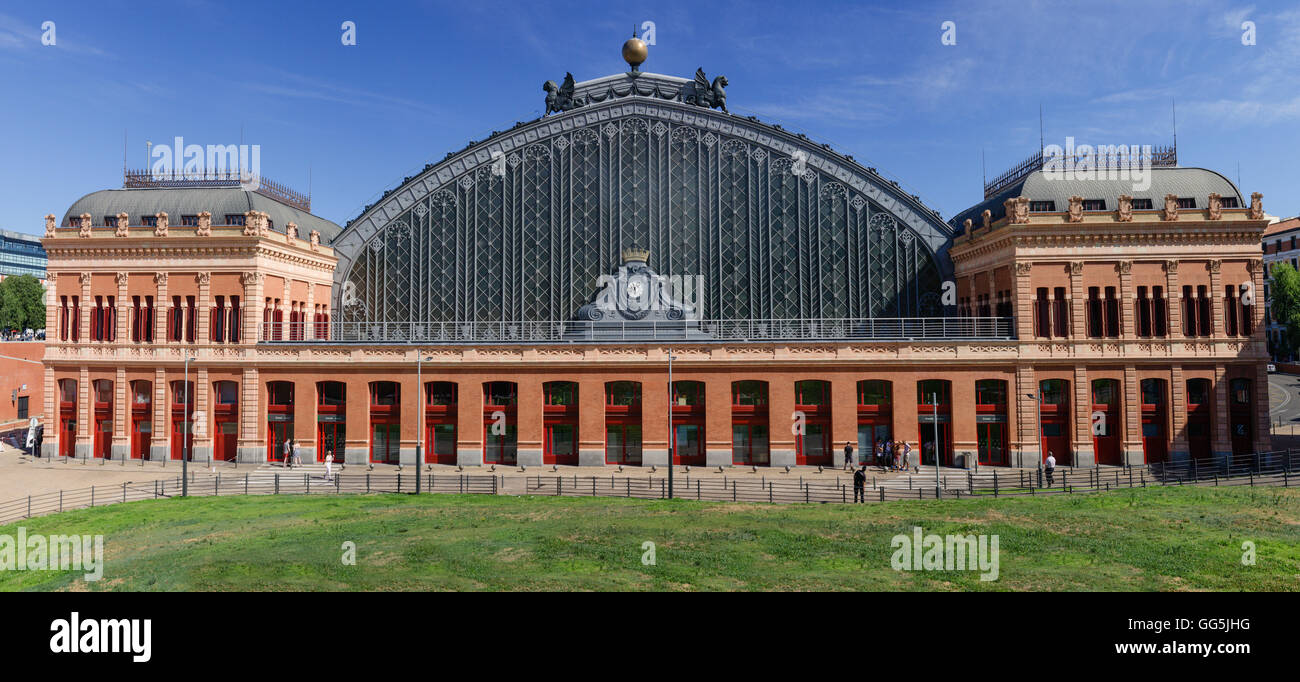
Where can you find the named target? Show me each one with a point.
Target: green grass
(1153, 539)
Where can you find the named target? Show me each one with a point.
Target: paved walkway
(22, 475)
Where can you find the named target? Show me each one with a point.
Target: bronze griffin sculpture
(706, 94)
(560, 97)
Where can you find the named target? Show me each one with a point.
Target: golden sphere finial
(635, 51)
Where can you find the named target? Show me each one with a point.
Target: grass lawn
(1153, 539)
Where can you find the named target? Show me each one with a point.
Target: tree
(1284, 298)
(22, 303)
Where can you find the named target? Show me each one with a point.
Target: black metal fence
(1263, 469)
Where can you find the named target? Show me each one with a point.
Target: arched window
(812, 442)
(1054, 424)
(991, 422)
(141, 418)
(560, 423)
(750, 442)
(385, 422)
(500, 426)
(875, 420)
(623, 422)
(934, 421)
(1105, 421)
(331, 420)
(1155, 416)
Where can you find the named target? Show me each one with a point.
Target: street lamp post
(419, 440)
(1038, 426)
(671, 357)
(934, 402)
(185, 432)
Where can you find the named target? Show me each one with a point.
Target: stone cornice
(130, 250)
(1216, 235)
(897, 355)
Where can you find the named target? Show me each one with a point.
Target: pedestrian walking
(906, 459)
(288, 452)
(1049, 467)
(848, 455)
(329, 465)
(297, 456)
(860, 484)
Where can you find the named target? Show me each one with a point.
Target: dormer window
(190, 220)
(1042, 206)
(1142, 205)
(110, 221)
(1094, 204)
(1186, 202)
(149, 221)
(1229, 202)
(234, 219)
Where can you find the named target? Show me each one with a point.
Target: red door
(1199, 437)
(103, 437)
(277, 433)
(560, 424)
(225, 439)
(688, 442)
(330, 439)
(1105, 436)
(1154, 445)
(440, 441)
(67, 434)
(182, 438)
(141, 430)
(813, 447)
(561, 444)
(1056, 433)
(1242, 444)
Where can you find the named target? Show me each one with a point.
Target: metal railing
(1273, 469)
(821, 329)
(1159, 157)
(212, 178)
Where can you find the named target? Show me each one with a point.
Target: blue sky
(871, 79)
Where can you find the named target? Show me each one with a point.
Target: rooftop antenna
(1173, 106)
(984, 171)
(1040, 130)
(124, 151)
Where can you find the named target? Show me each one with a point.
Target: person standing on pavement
(860, 484)
(848, 455)
(1049, 467)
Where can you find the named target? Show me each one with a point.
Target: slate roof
(1197, 183)
(178, 201)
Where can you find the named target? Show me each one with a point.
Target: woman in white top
(329, 465)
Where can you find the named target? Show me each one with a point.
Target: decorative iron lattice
(527, 237)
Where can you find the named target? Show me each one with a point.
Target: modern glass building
(21, 254)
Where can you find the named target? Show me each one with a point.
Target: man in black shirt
(859, 485)
(848, 455)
